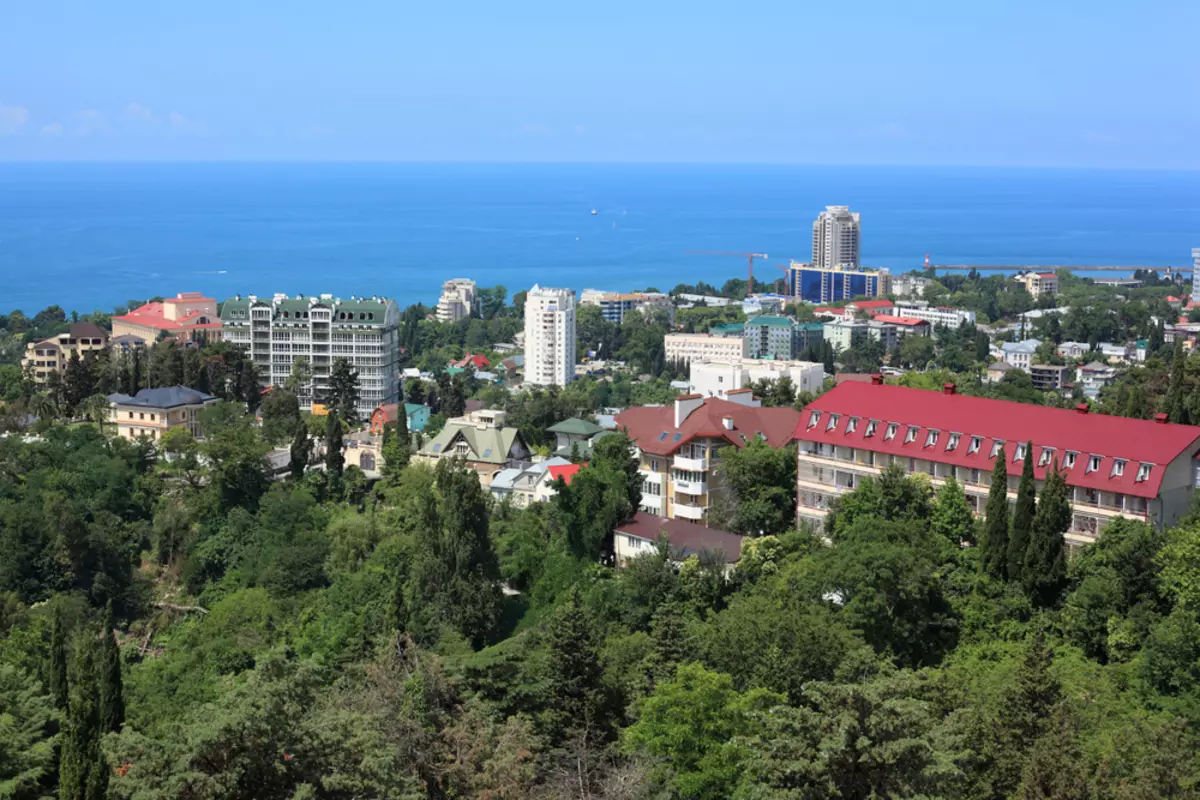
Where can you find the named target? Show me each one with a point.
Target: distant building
(615, 305)
(483, 442)
(910, 286)
(573, 432)
(362, 330)
(684, 348)
(808, 333)
(770, 337)
(952, 318)
(188, 316)
(457, 300)
(1195, 274)
(765, 304)
(531, 483)
(47, 357)
(1020, 354)
(416, 417)
(1039, 284)
(1093, 377)
(717, 379)
(1073, 350)
(869, 308)
(152, 412)
(814, 284)
(1049, 377)
(903, 326)
(837, 235)
(843, 333)
(641, 535)
(549, 336)
(997, 371)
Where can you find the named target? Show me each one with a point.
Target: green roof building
(277, 331)
(770, 337)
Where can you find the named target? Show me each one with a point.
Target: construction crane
(749, 263)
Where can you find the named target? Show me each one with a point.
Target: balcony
(653, 501)
(696, 488)
(690, 464)
(686, 511)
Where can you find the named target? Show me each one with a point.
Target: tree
(762, 480)
(396, 450)
(299, 452)
(1022, 519)
(1024, 713)
(952, 515)
(58, 663)
(414, 391)
(236, 453)
(995, 531)
(343, 391)
(83, 772)
(335, 457)
(1045, 570)
(112, 694)
(578, 697)
(1175, 403)
(27, 736)
(280, 412)
(96, 408)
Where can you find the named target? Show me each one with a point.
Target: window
(1093, 464)
(852, 425)
(1046, 457)
(662, 436)
(931, 438)
(870, 431)
(1118, 468)
(976, 443)
(677, 437)
(890, 433)
(975, 476)
(911, 436)
(833, 421)
(1019, 453)
(952, 443)
(1069, 459)
(996, 445)
(1143, 472)
(814, 419)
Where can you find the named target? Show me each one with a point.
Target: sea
(95, 236)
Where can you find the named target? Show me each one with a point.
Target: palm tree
(96, 408)
(43, 406)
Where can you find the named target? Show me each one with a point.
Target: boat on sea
(593, 212)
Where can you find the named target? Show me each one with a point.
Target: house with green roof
(482, 441)
(574, 432)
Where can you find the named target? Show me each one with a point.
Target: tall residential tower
(549, 336)
(837, 234)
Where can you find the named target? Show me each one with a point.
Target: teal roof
(727, 329)
(771, 321)
(576, 427)
(360, 310)
(811, 326)
(455, 370)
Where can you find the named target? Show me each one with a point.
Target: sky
(1007, 83)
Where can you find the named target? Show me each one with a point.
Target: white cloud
(140, 113)
(177, 119)
(53, 129)
(12, 118)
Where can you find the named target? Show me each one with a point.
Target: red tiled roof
(1134, 440)
(653, 427)
(151, 315)
(1047, 275)
(899, 320)
(476, 361)
(564, 471)
(837, 312)
(683, 536)
(872, 305)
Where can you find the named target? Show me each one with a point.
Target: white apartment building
(1195, 274)
(718, 378)
(457, 300)
(549, 336)
(684, 348)
(615, 306)
(843, 333)
(1114, 467)
(837, 234)
(950, 317)
(362, 330)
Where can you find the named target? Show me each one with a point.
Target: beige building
(679, 446)
(837, 234)
(718, 378)
(1040, 284)
(1114, 467)
(549, 336)
(188, 316)
(684, 348)
(457, 300)
(151, 412)
(49, 356)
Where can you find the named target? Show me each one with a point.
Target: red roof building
(905, 322)
(870, 307)
(1115, 467)
(564, 471)
(473, 361)
(187, 316)
(641, 535)
(678, 445)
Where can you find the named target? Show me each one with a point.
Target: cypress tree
(952, 516)
(1025, 713)
(1045, 573)
(335, 459)
(1022, 520)
(995, 531)
(82, 771)
(301, 449)
(58, 663)
(1174, 406)
(575, 673)
(112, 694)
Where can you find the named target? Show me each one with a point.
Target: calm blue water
(93, 236)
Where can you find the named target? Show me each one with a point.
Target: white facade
(716, 378)
(950, 317)
(685, 348)
(457, 300)
(1019, 354)
(837, 233)
(842, 333)
(910, 286)
(1040, 284)
(549, 336)
(1195, 274)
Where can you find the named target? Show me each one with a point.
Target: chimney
(1082, 408)
(1161, 419)
(949, 388)
(728, 422)
(877, 379)
(685, 405)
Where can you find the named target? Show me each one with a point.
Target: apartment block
(1049, 377)
(1115, 467)
(843, 333)
(820, 284)
(614, 306)
(549, 336)
(950, 317)
(718, 378)
(770, 337)
(362, 330)
(187, 317)
(684, 348)
(837, 236)
(47, 357)
(457, 300)
(679, 447)
(1195, 274)
(1039, 284)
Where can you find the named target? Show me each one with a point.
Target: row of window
(932, 436)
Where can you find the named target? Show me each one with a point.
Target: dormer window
(833, 421)
(1069, 459)
(911, 436)
(931, 438)
(1019, 453)
(1118, 468)
(952, 443)
(996, 445)
(1093, 464)
(1046, 457)
(890, 433)
(870, 431)
(1143, 473)
(976, 443)
(814, 419)
(852, 425)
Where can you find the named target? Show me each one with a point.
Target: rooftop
(153, 315)
(575, 427)
(653, 427)
(770, 321)
(166, 397)
(973, 425)
(893, 320)
(685, 538)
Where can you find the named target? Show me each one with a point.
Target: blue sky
(1062, 83)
